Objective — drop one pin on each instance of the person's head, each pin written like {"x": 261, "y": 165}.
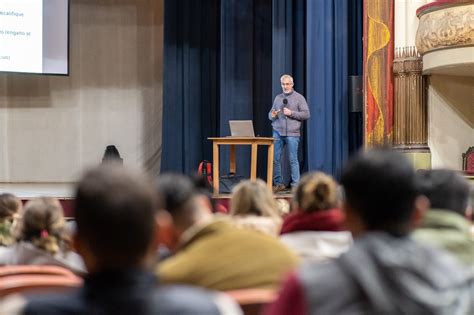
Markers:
{"x": 42, "y": 224}
{"x": 286, "y": 83}
{"x": 316, "y": 191}
{"x": 178, "y": 197}
{"x": 380, "y": 192}
{"x": 203, "y": 187}
{"x": 112, "y": 155}
{"x": 115, "y": 215}
{"x": 10, "y": 206}
{"x": 445, "y": 189}
{"x": 253, "y": 198}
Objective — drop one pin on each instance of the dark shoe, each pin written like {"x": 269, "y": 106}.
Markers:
{"x": 278, "y": 188}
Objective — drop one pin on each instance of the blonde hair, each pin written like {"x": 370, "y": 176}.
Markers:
{"x": 316, "y": 191}
{"x": 10, "y": 205}
{"x": 253, "y": 198}
{"x": 43, "y": 225}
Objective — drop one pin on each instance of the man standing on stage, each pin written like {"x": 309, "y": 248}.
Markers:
{"x": 288, "y": 111}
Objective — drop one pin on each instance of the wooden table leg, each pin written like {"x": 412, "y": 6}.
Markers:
{"x": 232, "y": 167}
{"x": 253, "y": 162}
{"x": 270, "y": 166}
{"x": 215, "y": 167}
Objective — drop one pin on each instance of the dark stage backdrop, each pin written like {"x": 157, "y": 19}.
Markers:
{"x": 223, "y": 60}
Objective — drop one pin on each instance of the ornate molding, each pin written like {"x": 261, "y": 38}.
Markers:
{"x": 448, "y": 27}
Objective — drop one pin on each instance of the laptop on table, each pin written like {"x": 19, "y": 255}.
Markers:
{"x": 241, "y": 128}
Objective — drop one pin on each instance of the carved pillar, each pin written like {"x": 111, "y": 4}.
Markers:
{"x": 410, "y": 130}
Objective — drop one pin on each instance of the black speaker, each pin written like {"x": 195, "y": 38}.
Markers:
{"x": 355, "y": 93}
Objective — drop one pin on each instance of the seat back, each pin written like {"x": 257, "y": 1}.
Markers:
{"x": 253, "y": 301}
{"x": 468, "y": 161}
{"x": 26, "y": 279}
{"x": 34, "y": 270}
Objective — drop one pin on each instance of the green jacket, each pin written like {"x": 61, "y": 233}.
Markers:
{"x": 220, "y": 256}
{"x": 447, "y": 230}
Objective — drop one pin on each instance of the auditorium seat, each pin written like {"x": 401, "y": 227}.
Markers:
{"x": 26, "y": 279}
{"x": 253, "y": 301}
{"x": 14, "y": 270}
{"x": 468, "y": 161}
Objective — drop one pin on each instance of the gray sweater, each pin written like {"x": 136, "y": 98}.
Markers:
{"x": 289, "y": 126}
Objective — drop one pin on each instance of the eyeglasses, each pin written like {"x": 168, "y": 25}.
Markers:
{"x": 286, "y": 84}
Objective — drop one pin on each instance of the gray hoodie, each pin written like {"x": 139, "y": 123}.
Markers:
{"x": 289, "y": 126}
{"x": 383, "y": 274}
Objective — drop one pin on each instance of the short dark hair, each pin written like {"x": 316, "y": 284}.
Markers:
{"x": 175, "y": 193}
{"x": 115, "y": 210}
{"x": 446, "y": 189}
{"x": 380, "y": 186}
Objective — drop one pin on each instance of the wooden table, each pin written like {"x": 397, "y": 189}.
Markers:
{"x": 254, "y": 142}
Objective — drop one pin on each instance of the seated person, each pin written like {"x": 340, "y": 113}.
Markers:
{"x": 212, "y": 252}
{"x": 10, "y": 207}
{"x": 116, "y": 234}
{"x": 385, "y": 271}
{"x": 42, "y": 238}
{"x": 445, "y": 225}
{"x": 315, "y": 229}
{"x": 252, "y": 207}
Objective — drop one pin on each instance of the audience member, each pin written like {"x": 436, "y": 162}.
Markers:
{"x": 42, "y": 238}
{"x": 212, "y": 252}
{"x": 116, "y": 234}
{"x": 315, "y": 230}
{"x": 252, "y": 207}
{"x": 445, "y": 225}
{"x": 385, "y": 271}
{"x": 10, "y": 207}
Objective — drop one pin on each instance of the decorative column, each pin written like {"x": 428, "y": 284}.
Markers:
{"x": 410, "y": 128}
{"x": 410, "y": 111}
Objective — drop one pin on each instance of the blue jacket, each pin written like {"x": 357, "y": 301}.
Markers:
{"x": 126, "y": 292}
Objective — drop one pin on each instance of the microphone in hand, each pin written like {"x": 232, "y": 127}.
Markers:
{"x": 284, "y": 108}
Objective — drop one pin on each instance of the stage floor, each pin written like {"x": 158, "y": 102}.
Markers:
{"x": 65, "y": 193}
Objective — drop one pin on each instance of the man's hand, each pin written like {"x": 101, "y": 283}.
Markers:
{"x": 275, "y": 113}
{"x": 287, "y": 112}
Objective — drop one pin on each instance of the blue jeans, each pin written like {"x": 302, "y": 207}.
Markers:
{"x": 292, "y": 144}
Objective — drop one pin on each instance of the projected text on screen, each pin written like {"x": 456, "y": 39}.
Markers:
{"x": 34, "y": 36}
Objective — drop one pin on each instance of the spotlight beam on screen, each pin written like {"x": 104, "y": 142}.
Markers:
{"x": 34, "y": 36}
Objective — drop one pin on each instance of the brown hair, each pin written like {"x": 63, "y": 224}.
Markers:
{"x": 9, "y": 206}
{"x": 316, "y": 191}
{"x": 43, "y": 225}
{"x": 253, "y": 198}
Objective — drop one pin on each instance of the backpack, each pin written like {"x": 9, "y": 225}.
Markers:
{"x": 205, "y": 169}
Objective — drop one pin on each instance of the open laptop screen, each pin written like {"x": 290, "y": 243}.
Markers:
{"x": 241, "y": 128}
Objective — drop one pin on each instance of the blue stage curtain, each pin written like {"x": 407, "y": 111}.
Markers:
{"x": 327, "y": 84}
{"x": 217, "y": 67}
{"x": 245, "y": 74}
{"x": 190, "y": 83}
{"x": 223, "y": 60}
